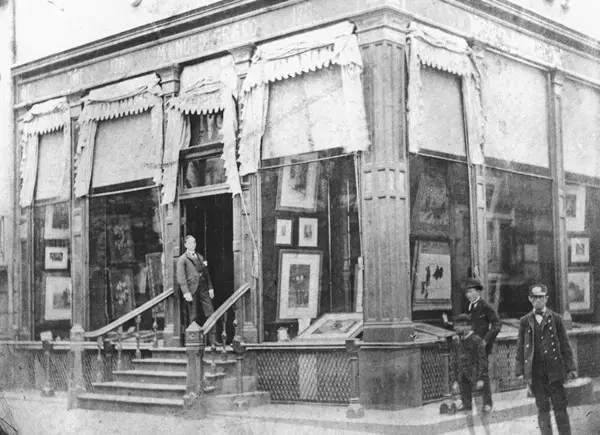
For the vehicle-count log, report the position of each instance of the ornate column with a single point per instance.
(246, 218)
(389, 361)
(169, 78)
(558, 197)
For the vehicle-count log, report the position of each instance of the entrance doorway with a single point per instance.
(210, 220)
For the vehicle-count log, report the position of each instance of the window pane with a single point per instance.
(205, 172)
(53, 168)
(520, 248)
(125, 247)
(521, 133)
(581, 114)
(206, 128)
(440, 234)
(310, 241)
(443, 127)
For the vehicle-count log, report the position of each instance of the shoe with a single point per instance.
(463, 408)
(487, 408)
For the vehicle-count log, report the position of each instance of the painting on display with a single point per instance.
(580, 249)
(283, 230)
(56, 258)
(56, 223)
(575, 207)
(334, 326)
(431, 212)
(298, 185)
(579, 291)
(299, 283)
(58, 298)
(308, 229)
(122, 291)
(432, 279)
(120, 239)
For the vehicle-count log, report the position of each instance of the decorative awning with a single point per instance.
(291, 57)
(436, 49)
(126, 98)
(206, 88)
(41, 119)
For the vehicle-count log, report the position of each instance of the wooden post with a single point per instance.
(239, 347)
(445, 351)
(47, 390)
(77, 383)
(194, 339)
(120, 348)
(109, 349)
(355, 409)
(138, 351)
(99, 361)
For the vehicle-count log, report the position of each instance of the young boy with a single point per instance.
(472, 363)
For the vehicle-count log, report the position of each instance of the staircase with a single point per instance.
(158, 384)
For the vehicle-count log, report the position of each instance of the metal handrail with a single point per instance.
(236, 296)
(126, 317)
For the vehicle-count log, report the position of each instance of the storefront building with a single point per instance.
(356, 160)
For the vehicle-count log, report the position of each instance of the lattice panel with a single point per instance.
(432, 373)
(588, 353)
(502, 366)
(305, 376)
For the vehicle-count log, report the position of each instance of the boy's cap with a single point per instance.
(538, 290)
(473, 283)
(462, 318)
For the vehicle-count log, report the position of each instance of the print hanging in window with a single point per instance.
(299, 283)
(121, 291)
(56, 224)
(58, 298)
(575, 207)
(120, 239)
(298, 185)
(579, 291)
(432, 280)
(431, 211)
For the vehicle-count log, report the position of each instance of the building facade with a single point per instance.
(340, 157)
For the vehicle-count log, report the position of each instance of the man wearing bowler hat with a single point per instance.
(545, 360)
(486, 324)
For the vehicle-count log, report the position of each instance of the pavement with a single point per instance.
(514, 413)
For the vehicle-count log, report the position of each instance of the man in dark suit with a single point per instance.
(195, 284)
(545, 360)
(486, 324)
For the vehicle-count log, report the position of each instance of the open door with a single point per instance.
(210, 220)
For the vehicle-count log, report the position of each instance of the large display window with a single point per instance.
(310, 240)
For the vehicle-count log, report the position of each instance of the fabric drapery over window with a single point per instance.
(131, 97)
(207, 88)
(53, 167)
(41, 119)
(331, 98)
(436, 49)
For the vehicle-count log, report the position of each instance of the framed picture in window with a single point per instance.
(58, 298)
(580, 249)
(283, 232)
(56, 258)
(575, 207)
(122, 290)
(579, 291)
(299, 284)
(432, 278)
(308, 229)
(298, 185)
(431, 212)
(334, 326)
(120, 239)
(56, 222)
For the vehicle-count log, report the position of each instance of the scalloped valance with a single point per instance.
(304, 53)
(42, 118)
(288, 58)
(436, 49)
(206, 88)
(126, 98)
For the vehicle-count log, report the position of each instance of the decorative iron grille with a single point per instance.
(321, 376)
(588, 355)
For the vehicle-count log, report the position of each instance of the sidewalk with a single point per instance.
(513, 412)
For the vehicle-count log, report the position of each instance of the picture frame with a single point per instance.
(432, 276)
(579, 291)
(283, 232)
(575, 197)
(298, 186)
(299, 283)
(308, 232)
(57, 298)
(580, 249)
(431, 212)
(56, 222)
(333, 327)
(120, 239)
(122, 290)
(56, 258)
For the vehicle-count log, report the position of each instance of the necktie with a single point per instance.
(472, 306)
(539, 312)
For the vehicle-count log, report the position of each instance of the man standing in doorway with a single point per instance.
(486, 324)
(545, 360)
(194, 280)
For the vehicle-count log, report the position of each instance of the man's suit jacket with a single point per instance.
(192, 274)
(473, 362)
(486, 323)
(555, 345)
